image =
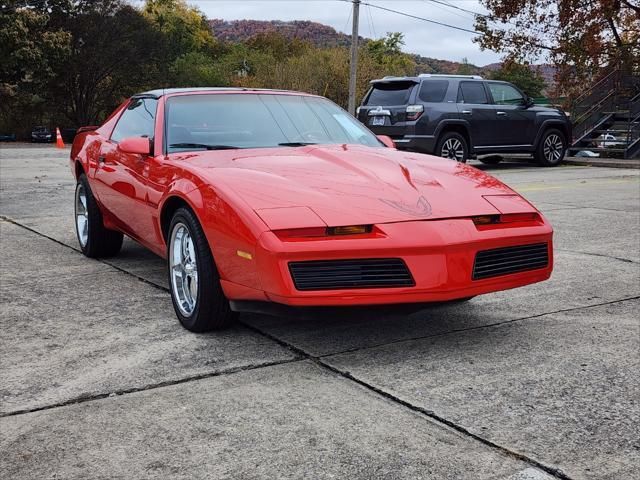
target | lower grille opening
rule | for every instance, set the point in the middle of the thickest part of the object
(361, 273)
(503, 261)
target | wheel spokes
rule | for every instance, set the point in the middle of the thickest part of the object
(82, 215)
(183, 268)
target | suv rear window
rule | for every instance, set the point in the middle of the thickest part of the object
(472, 92)
(433, 90)
(392, 93)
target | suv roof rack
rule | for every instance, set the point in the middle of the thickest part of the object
(426, 75)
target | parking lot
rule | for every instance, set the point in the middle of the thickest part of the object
(98, 379)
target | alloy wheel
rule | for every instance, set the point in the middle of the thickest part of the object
(553, 148)
(82, 215)
(184, 269)
(453, 149)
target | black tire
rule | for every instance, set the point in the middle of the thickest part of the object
(551, 148)
(491, 160)
(211, 310)
(99, 242)
(452, 145)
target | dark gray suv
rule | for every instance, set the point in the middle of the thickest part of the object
(462, 116)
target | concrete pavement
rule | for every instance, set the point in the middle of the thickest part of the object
(98, 380)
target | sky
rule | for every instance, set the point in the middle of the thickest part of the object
(420, 37)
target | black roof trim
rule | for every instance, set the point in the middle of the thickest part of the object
(146, 95)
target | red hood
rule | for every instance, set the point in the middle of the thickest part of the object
(349, 185)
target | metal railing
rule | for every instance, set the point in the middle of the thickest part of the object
(613, 100)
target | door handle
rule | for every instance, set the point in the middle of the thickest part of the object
(501, 113)
(466, 112)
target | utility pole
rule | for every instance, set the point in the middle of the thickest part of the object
(354, 57)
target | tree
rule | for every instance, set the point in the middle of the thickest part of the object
(188, 47)
(579, 37)
(522, 75)
(195, 69)
(184, 28)
(322, 71)
(28, 51)
(114, 53)
(465, 67)
(387, 53)
(277, 45)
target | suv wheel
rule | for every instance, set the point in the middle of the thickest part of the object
(453, 145)
(551, 148)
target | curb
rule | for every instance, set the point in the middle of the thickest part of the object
(603, 162)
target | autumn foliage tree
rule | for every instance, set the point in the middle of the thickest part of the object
(523, 75)
(580, 37)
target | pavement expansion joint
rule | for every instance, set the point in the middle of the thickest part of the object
(489, 325)
(557, 473)
(301, 354)
(627, 260)
(153, 386)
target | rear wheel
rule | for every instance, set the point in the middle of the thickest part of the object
(454, 146)
(95, 240)
(197, 295)
(551, 148)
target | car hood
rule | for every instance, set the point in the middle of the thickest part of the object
(350, 185)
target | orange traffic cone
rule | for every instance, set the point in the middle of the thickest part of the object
(59, 142)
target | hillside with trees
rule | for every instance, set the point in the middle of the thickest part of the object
(237, 31)
(69, 63)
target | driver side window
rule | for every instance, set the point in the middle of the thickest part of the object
(504, 94)
(138, 120)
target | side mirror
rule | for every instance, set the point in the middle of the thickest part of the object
(386, 140)
(139, 145)
(528, 102)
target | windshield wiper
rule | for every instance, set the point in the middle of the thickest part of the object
(203, 145)
(295, 144)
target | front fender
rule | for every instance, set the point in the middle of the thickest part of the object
(228, 225)
(553, 123)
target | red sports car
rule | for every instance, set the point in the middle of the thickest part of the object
(260, 198)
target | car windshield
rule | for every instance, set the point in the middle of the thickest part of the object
(224, 121)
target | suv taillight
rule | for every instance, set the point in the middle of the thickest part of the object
(414, 112)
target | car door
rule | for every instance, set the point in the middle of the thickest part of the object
(475, 108)
(121, 177)
(516, 121)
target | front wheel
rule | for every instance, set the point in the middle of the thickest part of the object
(551, 148)
(95, 240)
(197, 295)
(454, 146)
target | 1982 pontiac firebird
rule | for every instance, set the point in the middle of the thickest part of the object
(266, 198)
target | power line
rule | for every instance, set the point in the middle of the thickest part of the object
(372, 25)
(451, 5)
(446, 10)
(416, 17)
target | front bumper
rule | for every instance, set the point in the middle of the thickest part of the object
(440, 255)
